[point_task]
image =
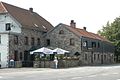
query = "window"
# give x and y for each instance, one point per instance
(26, 55)
(26, 40)
(48, 42)
(20, 55)
(16, 40)
(16, 57)
(72, 41)
(38, 41)
(86, 57)
(8, 26)
(77, 54)
(105, 57)
(61, 32)
(112, 56)
(32, 41)
(98, 56)
(0, 39)
(98, 45)
(85, 44)
(94, 56)
(93, 44)
(0, 56)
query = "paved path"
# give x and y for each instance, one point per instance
(13, 70)
(111, 72)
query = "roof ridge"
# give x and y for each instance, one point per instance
(25, 17)
(85, 33)
(13, 6)
(3, 6)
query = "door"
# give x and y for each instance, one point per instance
(27, 62)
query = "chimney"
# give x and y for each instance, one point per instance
(84, 28)
(72, 23)
(31, 10)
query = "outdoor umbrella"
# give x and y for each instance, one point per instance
(42, 50)
(60, 51)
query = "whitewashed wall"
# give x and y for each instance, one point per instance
(4, 49)
(15, 28)
(6, 18)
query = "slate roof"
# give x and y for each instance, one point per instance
(25, 17)
(83, 33)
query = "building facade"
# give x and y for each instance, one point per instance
(90, 47)
(24, 30)
(21, 30)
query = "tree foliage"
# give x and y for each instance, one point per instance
(112, 32)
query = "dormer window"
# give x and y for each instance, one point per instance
(36, 25)
(44, 27)
(8, 27)
(61, 32)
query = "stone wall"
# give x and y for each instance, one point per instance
(96, 58)
(63, 40)
(21, 47)
(61, 64)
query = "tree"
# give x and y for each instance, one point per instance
(111, 31)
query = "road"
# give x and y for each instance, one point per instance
(111, 72)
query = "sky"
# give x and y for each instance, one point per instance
(92, 14)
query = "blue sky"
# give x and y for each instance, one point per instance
(92, 14)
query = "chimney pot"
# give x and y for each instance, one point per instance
(84, 28)
(31, 9)
(72, 23)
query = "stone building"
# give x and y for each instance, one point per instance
(90, 47)
(23, 30)
(20, 31)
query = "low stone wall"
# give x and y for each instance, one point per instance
(61, 64)
(18, 64)
(68, 63)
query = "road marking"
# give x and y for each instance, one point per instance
(115, 73)
(92, 76)
(1, 77)
(118, 79)
(76, 77)
(104, 74)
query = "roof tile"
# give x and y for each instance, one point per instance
(25, 17)
(81, 32)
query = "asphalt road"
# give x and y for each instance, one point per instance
(111, 72)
